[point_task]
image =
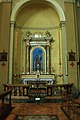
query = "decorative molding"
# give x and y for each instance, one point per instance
(53, 3)
(78, 4)
(74, 1)
(1, 1)
(37, 28)
(69, 1)
(37, 38)
(62, 24)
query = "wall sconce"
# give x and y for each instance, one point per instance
(3, 57)
(72, 57)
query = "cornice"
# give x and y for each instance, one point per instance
(78, 4)
(73, 1)
(1, 1)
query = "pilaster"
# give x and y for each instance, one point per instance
(28, 61)
(11, 51)
(64, 51)
(48, 57)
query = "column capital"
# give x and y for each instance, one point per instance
(62, 24)
(12, 23)
(78, 4)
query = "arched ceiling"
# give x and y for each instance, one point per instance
(37, 14)
(21, 4)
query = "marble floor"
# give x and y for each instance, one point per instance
(36, 109)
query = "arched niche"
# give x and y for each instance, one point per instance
(51, 3)
(16, 10)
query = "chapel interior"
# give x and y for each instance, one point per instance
(40, 58)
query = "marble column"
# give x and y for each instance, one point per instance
(11, 52)
(48, 57)
(28, 61)
(64, 52)
(23, 56)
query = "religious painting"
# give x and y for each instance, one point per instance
(37, 59)
(71, 56)
(3, 56)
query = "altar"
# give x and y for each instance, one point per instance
(50, 78)
(37, 65)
